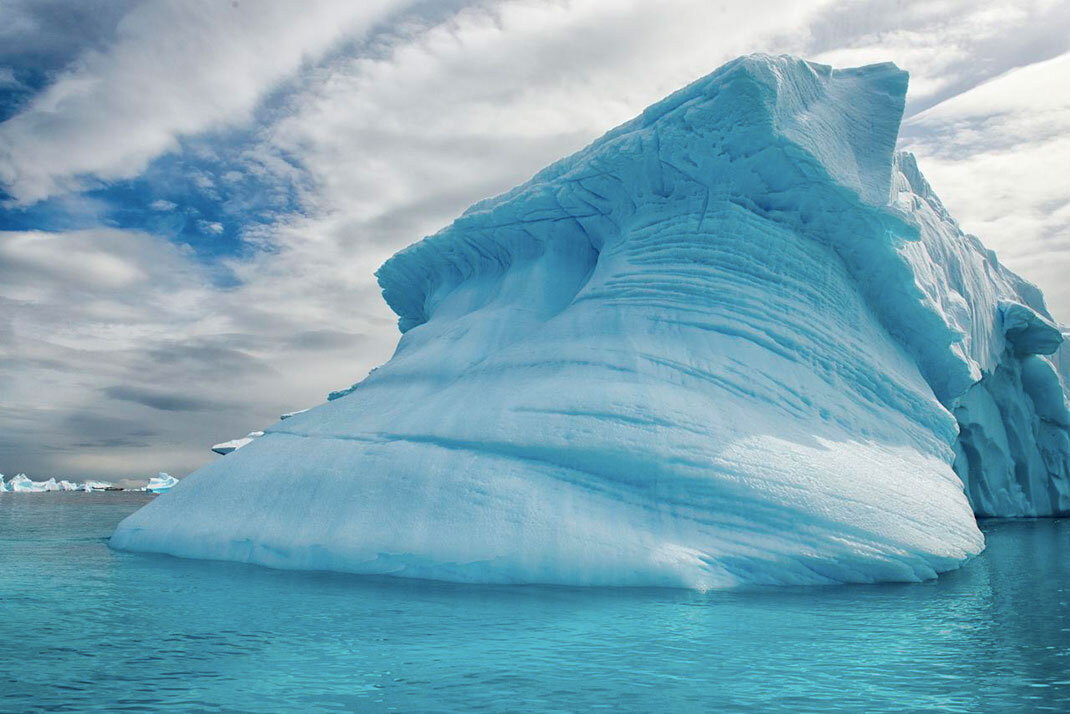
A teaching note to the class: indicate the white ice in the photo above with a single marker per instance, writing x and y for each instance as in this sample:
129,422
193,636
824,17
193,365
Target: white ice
736,340
226,447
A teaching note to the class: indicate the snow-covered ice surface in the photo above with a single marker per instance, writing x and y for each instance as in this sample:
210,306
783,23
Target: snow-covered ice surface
730,342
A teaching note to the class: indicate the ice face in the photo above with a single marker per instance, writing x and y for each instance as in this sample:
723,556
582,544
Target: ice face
1062,358
732,341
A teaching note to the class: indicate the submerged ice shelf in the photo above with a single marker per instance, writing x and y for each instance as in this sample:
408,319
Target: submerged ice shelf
735,340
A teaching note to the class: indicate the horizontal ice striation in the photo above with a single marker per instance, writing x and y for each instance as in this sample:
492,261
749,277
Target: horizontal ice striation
730,342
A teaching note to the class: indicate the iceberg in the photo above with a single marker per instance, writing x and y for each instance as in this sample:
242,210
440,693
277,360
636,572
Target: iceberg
736,340
24,484
161,483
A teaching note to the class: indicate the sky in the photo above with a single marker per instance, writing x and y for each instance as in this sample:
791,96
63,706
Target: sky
194,196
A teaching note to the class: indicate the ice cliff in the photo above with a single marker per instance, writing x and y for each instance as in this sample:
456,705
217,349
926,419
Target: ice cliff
736,340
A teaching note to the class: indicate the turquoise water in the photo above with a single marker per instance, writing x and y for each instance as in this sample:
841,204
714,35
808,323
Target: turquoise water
85,628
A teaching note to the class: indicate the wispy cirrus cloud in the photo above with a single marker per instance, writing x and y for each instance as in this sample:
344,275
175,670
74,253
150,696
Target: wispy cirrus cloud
996,154
949,47
171,69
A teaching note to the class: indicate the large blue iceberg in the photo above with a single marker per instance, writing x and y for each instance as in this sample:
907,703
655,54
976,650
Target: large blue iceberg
736,340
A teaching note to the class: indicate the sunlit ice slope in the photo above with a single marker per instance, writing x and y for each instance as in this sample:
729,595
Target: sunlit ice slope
737,340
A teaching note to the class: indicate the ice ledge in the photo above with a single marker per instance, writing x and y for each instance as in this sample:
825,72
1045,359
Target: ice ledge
1027,332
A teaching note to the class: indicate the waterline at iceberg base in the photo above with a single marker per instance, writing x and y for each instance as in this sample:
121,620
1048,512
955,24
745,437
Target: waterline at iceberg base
737,340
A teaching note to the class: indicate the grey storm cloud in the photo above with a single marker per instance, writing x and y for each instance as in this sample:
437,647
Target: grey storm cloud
101,430
168,402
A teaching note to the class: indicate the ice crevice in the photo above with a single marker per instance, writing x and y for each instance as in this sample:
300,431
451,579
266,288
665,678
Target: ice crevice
736,340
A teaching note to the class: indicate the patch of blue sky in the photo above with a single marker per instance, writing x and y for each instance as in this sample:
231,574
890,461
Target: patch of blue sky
219,192
39,38
211,195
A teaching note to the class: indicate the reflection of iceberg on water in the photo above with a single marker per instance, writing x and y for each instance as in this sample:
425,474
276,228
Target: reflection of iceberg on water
736,340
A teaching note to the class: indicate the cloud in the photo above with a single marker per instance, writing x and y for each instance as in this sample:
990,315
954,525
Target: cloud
122,353
7,78
172,69
143,349
992,154
101,431
214,228
155,399
948,47
45,35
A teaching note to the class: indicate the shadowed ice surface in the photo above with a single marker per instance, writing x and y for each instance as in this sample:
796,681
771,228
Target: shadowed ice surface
85,627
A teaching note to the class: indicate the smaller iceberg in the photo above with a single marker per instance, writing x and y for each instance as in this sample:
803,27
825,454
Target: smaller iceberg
161,483
234,444
23,484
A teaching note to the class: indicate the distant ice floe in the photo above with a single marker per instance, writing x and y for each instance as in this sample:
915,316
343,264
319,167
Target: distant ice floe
24,484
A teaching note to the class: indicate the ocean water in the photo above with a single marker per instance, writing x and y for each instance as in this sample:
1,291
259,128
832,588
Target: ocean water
85,628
